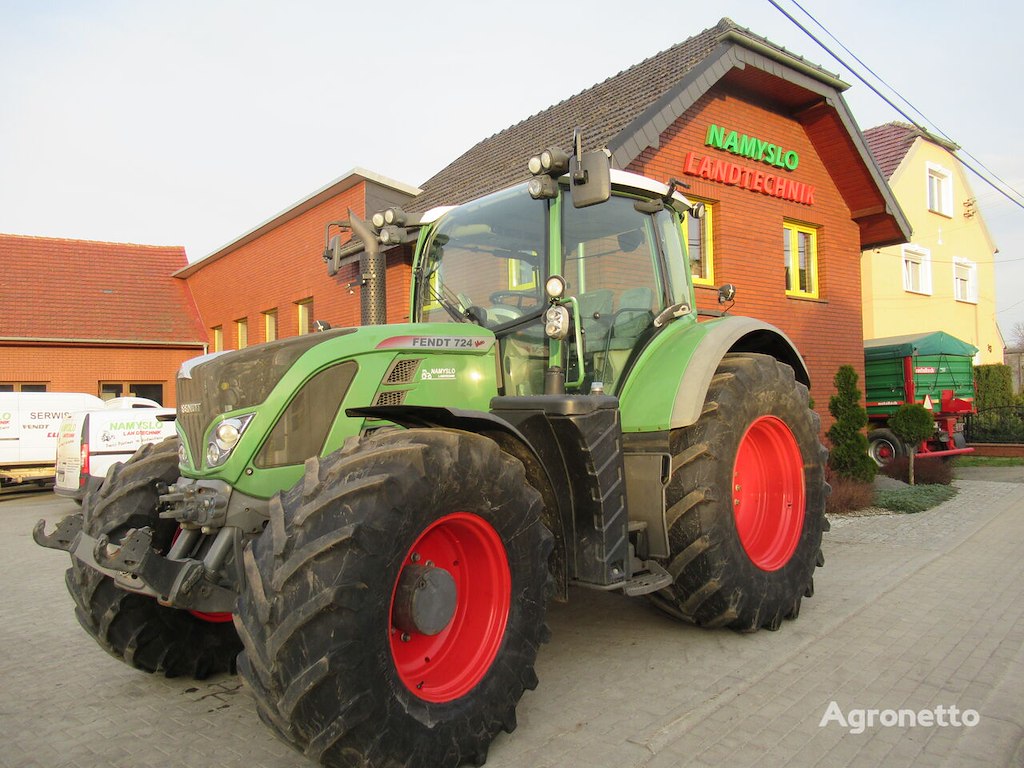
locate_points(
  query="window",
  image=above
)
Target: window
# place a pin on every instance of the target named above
(940, 189)
(965, 280)
(270, 325)
(700, 246)
(111, 389)
(242, 332)
(22, 387)
(305, 315)
(522, 275)
(217, 339)
(917, 269)
(800, 251)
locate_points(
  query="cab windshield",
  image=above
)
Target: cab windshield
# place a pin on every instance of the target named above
(485, 261)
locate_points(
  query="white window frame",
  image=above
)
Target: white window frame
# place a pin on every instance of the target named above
(942, 202)
(971, 296)
(923, 258)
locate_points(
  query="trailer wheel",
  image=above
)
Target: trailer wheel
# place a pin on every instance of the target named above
(746, 500)
(396, 601)
(131, 627)
(884, 447)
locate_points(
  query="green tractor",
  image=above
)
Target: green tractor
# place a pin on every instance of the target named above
(372, 520)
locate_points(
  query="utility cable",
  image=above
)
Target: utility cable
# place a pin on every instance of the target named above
(900, 111)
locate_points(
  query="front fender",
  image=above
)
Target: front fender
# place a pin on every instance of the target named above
(667, 384)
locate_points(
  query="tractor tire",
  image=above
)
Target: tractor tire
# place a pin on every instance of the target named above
(746, 500)
(341, 666)
(884, 447)
(131, 627)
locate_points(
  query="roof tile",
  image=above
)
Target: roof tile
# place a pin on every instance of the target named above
(85, 290)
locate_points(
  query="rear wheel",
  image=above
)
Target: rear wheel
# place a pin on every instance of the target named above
(745, 504)
(884, 447)
(396, 601)
(131, 627)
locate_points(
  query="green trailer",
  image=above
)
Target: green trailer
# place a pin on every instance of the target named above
(935, 370)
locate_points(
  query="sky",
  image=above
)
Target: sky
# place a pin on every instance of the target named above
(190, 123)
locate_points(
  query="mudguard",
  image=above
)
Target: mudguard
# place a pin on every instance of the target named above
(665, 387)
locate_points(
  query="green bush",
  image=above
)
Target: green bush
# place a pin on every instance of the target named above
(916, 498)
(993, 386)
(849, 455)
(912, 423)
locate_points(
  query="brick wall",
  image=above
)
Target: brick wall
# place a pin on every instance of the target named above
(283, 267)
(81, 368)
(748, 234)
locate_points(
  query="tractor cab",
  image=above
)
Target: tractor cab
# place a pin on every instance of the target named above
(621, 264)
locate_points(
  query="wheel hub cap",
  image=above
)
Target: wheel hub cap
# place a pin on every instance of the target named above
(424, 600)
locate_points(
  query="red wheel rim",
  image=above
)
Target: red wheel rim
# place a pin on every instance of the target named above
(213, 618)
(448, 665)
(768, 493)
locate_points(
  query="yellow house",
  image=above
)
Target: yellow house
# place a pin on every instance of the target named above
(944, 279)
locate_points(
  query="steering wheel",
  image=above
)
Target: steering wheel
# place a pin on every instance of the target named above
(514, 299)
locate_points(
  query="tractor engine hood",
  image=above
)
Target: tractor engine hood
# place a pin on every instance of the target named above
(227, 381)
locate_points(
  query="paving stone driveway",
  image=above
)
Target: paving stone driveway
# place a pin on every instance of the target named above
(911, 612)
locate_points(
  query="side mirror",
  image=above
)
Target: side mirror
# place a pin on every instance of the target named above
(333, 255)
(591, 178)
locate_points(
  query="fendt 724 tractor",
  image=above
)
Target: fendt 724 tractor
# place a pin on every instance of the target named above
(373, 519)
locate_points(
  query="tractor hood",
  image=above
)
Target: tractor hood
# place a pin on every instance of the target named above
(269, 407)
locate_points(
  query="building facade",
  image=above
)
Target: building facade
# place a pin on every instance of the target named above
(944, 278)
(766, 141)
(106, 319)
(272, 282)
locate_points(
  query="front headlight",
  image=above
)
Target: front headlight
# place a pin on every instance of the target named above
(224, 438)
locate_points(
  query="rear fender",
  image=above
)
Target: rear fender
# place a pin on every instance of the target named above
(668, 383)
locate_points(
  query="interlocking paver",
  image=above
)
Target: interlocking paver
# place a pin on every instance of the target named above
(912, 611)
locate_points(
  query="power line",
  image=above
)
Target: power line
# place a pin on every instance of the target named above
(887, 100)
(902, 98)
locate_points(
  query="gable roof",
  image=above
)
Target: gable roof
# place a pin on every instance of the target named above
(69, 291)
(627, 113)
(890, 143)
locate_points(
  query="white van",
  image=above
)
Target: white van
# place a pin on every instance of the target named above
(29, 423)
(90, 442)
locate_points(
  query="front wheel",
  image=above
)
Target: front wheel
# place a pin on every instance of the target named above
(396, 601)
(132, 627)
(746, 500)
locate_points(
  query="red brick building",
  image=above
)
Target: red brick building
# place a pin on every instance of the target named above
(272, 282)
(107, 319)
(761, 136)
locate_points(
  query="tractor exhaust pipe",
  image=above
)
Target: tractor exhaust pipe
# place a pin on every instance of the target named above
(372, 269)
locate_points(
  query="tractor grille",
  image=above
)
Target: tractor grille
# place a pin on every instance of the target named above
(402, 371)
(395, 397)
